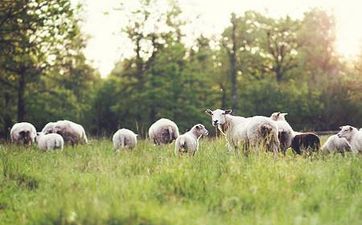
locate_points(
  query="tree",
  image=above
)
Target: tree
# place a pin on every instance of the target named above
(40, 45)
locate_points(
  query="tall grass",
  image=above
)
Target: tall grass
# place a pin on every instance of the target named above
(94, 185)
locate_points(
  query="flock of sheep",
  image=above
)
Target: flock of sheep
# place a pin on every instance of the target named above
(272, 133)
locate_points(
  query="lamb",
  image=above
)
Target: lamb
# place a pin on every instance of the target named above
(336, 144)
(285, 131)
(189, 141)
(305, 142)
(71, 132)
(353, 136)
(163, 131)
(124, 138)
(23, 133)
(251, 131)
(50, 141)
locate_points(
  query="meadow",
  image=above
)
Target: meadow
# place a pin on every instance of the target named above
(92, 184)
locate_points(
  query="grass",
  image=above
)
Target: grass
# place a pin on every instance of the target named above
(93, 185)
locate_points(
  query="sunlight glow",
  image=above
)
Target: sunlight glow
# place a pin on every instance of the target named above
(106, 45)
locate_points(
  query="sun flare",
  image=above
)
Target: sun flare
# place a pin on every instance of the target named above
(105, 47)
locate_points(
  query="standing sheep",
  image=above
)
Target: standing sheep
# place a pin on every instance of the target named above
(23, 133)
(336, 144)
(353, 136)
(71, 132)
(285, 131)
(124, 138)
(163, 131)
(305, 142)
(249, 132)
(50, 141)
(189, 141)
(49, 128)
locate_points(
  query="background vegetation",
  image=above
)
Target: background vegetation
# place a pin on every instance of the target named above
(257, 66)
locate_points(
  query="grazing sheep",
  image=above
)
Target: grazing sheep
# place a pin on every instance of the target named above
(50, 141)
(49, 128)
(163, 131)
(124, 138)
(353, 136)
(23, 133)
(189, 141)
(251, 131)
(336, 144)
(71, 132)
(285, 131)
(305, 142)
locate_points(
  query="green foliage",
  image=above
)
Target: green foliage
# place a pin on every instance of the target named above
(258, 66)
(94, 185)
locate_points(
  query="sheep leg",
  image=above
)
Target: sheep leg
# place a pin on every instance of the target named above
(246, 147)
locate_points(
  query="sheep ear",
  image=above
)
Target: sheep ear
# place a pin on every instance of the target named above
(228, 111)
(284, 114)
(208, 111)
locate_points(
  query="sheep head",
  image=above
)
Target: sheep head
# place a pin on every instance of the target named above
(218, 116)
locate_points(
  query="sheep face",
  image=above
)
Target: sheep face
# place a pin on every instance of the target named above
(278, 116)
(200, 130)
(218, 116)
(346, 132)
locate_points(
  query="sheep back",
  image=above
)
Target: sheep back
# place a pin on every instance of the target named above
(163, 131)
(23, 133)
(305, 142)
(336, 144)
(124, 138)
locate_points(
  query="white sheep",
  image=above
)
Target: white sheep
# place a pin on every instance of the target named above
(50, 141)
(124, 138)
(48, 128)
(163, 131)
(252, 131)
(336, 144)
(189, 141)
(23, 133)
(285, 131)
(353, 136)
(71, 132)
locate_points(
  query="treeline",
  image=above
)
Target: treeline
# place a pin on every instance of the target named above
(258, 66)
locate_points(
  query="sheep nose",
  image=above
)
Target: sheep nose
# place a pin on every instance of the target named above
(215, 122)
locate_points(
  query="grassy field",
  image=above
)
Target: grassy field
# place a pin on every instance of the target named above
(94, 185)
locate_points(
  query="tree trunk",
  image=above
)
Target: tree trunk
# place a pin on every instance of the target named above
(233, 66)
(278, 73)
(7, 115)
(223, 96)
(21, 96)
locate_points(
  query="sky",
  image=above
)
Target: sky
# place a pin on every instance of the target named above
(102, 23)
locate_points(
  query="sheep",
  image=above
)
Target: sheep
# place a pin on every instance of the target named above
(353, 136)
(124, 138)
(50, 141)
(251, 131)
(23, 133)
(305, 142)
(163, 131)
(189, 141)
(336, 144)
(285, 131)
(71, 132)
(48, 128)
